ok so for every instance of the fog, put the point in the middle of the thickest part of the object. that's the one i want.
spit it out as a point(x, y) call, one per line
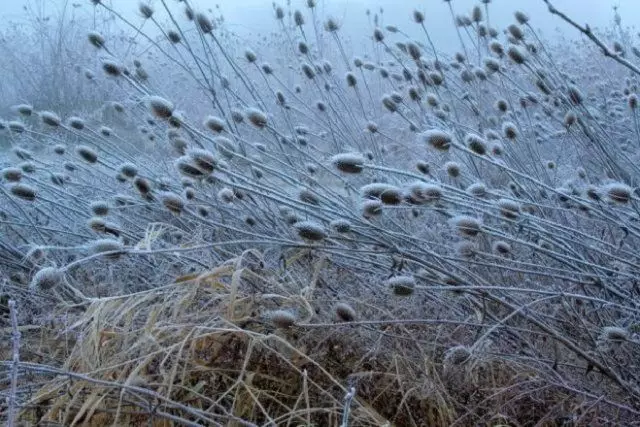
point(250, 18)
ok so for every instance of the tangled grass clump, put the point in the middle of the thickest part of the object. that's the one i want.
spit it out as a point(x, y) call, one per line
point(396, 237)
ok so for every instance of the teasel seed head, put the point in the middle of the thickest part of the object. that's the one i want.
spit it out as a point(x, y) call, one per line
point(146, 11)
point(344, 312)
point(112, 68)
point(128, 169)
point(331, 25)
point(340, 225)
point(99, 208)
point(500, 247)
point(204, 23)
point(23, 191)
point(371, 208)
point(24, 109)
point(256, 117)
point(282, 319)
point(618, 192)
point(76, 123)
point(310, 230)
point(160, 107)
point(402, 285)
point(87, 154)
point(50, 118)
point(614, 333)
point(521, 17)
point(477, 189)
point(174, 36)
point(351, 79)
point(47, 278)
point(438, 139)
point(466, 225)
point(476, 144)
point(516, 54)
point(12, 174)
point(509, 130)
point(453, 169)
point(106, 245)
point(215, 124)
point(172, 201)
point(348, 162)
point(509, 209)
point(456, 356)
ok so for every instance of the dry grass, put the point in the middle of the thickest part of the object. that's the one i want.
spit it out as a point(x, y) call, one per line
point(415, 239)
point(202, 351)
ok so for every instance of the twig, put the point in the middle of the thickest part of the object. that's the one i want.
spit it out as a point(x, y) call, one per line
point(586, 30)
point(347, 407)
point(15, 340)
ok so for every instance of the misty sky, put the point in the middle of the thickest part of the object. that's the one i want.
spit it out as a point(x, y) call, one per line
point(255, 17)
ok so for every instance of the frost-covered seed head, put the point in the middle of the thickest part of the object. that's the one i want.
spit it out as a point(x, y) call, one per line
point(111, 68)
point(331, 25)
point(456, 355)
point(282, 319)
point(188, 168)
point(226, 195)
point(160, 107)
point(203, 160)
point(344, 312)
point(146, 11)
point(128, 169)
point(477, 189)
point(387, 193)
point(389, 103)
point(142, 185)
point(618, 192)
point(12, 174)
point(106, 245)
point(378, 35)
point(87, 154)
point(310, 230)
point(23, 191)
point(467, 226)
point(97, 224)
point(348, 162)
point(438, 139)
point(340, 225)
point(24, 109)
point(423, 167)
point(402, 285)
point(216, 124)
point(351, 79)
point(508, 208)
point(575, 95)
point(99, 208)
point(256, 117)
point(516, 54)
point(307, 196)
point(204, 23)
point(50, 118)
point(614, 333)
point(172, 201)
point(476, 144)
point(76, 123)
point(453, 169)
point(500, 247)
point(509, 130)
point(46, 278)
point(521, 17)
point(174, 36)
